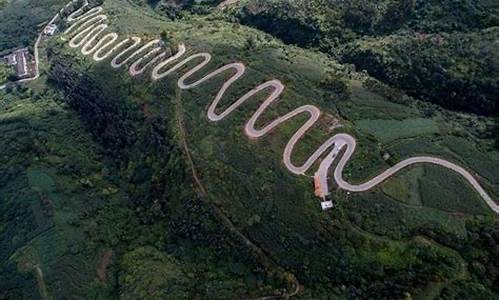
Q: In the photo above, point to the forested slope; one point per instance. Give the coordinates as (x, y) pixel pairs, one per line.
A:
(445, 52)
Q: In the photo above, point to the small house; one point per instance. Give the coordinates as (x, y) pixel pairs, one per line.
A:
(50, 29)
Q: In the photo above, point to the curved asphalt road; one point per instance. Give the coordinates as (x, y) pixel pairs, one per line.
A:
(226, 3)
(85, 31)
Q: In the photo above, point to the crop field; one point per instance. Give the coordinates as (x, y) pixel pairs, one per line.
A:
(389, 130)
(404, 187)
(435, 195)
(480, 160)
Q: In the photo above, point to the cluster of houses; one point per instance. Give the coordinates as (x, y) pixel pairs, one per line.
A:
(23, 61)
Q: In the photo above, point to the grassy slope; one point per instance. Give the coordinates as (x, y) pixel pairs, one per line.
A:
(72, 203)
(64, 205)
(46, 154)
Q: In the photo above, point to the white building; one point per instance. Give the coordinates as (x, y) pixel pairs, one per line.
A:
(10, 59)
(325, 205)
(321, 191)
(19, 59)
(50, 29)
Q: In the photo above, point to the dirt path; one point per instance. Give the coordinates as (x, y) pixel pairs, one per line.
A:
(103, 264)
(257, 252)
(41, 282)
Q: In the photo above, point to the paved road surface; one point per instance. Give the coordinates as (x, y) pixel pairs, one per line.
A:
(86, 33)
(226, 3)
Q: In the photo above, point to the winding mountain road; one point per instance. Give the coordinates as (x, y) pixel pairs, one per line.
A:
(86, 33)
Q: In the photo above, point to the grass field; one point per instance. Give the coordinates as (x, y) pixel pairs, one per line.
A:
(442, 190)
(404, 187)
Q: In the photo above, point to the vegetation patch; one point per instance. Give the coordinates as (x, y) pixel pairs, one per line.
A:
(389, 130)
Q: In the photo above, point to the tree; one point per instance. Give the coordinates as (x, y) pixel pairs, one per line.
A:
(164, 35)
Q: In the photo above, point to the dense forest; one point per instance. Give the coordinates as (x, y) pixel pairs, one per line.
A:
(445, 52)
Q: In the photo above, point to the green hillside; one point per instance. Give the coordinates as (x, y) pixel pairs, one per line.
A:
(444, 52)
(113, 187)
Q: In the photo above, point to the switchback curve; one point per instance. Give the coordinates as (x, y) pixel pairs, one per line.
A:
(85, 31)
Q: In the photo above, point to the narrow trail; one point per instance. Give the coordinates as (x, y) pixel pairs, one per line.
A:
(41, 282)
(87, 33)
(256, 251)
